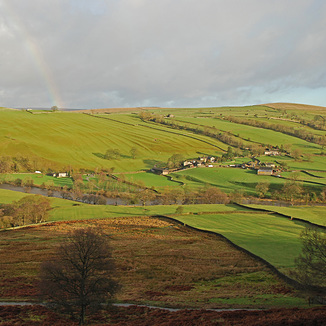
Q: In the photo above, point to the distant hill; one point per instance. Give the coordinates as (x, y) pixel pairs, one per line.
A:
(122, 110)
(296, 106)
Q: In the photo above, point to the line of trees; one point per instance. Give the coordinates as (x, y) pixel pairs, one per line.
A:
(28, 210)
(291, 191)
(299, 133)
(23, 163)
(224, 137)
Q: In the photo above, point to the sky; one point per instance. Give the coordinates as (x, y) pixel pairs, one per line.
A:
(87, 54)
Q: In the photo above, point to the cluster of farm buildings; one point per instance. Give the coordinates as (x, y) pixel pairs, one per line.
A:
(208, 161)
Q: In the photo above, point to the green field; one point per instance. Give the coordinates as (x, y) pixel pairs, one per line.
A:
(150, 179)
(254, 134)
(67, 210)
(313, 214)
(71, 140)
(38, 179)
(227, 179)
(77, 142)
(270, 237)
(74, 140)
(231, 179)
(263, 234)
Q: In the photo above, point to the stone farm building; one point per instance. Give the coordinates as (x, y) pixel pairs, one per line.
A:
(60, 175)
(265, 170)
(162, 171)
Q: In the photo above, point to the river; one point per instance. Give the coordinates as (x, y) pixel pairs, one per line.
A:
(55, 193)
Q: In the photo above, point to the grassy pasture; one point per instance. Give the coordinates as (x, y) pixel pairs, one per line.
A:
(317, 163)
(239, 111)
(302, 176)
(259, 135)
(158, 263)
(38, 179)
(227, 179)
(66, 139)
(7, 196)
(67, 210)
(314, 214)
(297, 107)
(69, 139)
(150, 179)
(272, 238)
(289, 123)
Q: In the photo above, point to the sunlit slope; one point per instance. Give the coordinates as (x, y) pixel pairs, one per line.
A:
(81, 140)
(275, 239)
(296, 106)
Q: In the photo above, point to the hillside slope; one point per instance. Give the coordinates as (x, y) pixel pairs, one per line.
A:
(70, 139)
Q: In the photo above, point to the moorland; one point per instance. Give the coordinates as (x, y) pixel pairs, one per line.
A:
(204, 206)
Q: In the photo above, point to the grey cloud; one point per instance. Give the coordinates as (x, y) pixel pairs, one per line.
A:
(170, 52)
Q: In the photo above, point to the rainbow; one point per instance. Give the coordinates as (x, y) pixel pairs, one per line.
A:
(36, 55)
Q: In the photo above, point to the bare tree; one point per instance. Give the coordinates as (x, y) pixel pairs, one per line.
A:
(80, 275)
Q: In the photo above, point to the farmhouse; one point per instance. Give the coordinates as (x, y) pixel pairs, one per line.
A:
(157, 170)
(250, 165)
(60, 175)
(206, 159)
(271, 152)
(188, 164)
(270, 165)
(265, 170)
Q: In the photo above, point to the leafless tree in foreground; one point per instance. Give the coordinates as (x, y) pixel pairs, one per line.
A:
(80, 275)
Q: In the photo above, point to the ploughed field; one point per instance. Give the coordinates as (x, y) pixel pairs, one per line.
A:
(158, 263)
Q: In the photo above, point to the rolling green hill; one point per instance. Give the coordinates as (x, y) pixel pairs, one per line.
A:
(65, 139)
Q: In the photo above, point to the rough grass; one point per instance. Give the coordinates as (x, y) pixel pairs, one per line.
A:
(131, 316)
(157, 262)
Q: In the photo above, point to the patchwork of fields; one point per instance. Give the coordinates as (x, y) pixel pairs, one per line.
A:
(161, 262)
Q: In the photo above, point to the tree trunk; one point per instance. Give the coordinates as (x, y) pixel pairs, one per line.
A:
(82, 315)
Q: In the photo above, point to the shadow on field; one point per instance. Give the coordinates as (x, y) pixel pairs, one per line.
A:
(100, 155)
(151, 163)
